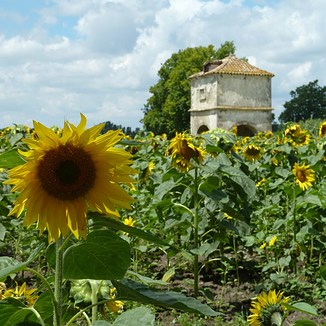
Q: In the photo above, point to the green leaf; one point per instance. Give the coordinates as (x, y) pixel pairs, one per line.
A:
(146, 280)
(103, 256)
(10, 266)
(323, 272)
(168, 274)
(304, 322)
(10, 159)
(101, 323)
(119, 226)
(131, 290)
(302, 307)
(13, 312)
(312, 199)
(2, 232)
(44, 307)
(240, 178)
(140, 316)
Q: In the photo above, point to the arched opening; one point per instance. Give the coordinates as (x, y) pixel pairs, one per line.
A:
(202, 129)
(245, 130)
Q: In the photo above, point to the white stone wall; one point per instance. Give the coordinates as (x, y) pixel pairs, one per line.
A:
(223, 101)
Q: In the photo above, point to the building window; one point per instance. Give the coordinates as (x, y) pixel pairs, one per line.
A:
(202, 94)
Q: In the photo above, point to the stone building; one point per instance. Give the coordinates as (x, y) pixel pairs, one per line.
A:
(228, 93)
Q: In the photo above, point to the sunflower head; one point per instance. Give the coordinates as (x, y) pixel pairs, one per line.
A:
(272, 241)
(66, 174)
(252, 152)
(183, 149)
(297, 136)
(304, 176)
(129, 221)
(266, 308)
(322, 129)
(293, 131)
(27, 296)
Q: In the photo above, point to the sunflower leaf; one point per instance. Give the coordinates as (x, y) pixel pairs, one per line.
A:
(119, 226)
(131, 290)
(9, 159)
(302, 307)
(10, 266)
(140, 316)
(103, 256)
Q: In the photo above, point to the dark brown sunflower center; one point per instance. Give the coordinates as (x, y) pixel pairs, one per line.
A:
(301, 176)
(253, 151)
(66, 172)
(187, 152)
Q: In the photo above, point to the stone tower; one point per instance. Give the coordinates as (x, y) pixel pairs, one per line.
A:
(228, 93)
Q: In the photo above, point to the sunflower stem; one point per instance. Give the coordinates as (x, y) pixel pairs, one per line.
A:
(58, 282)
(38, 316)
(94, 286)
(294, 230)
(196, 238)
(48, 286)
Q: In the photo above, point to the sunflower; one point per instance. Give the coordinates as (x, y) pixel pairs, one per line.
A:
(129, 221)
(297, 136)
(21, 293)
(293, 131)
(266, 308)
(66, 175)
(304, 175)
(252, 152)
(302, 139)
(322, 129)
(182, 150)
(114, 305)
(272, 241)
(259, 183)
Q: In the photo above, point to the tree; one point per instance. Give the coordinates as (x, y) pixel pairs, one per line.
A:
(308, 102)
(167, 110)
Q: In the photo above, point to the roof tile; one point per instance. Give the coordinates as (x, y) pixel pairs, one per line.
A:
(232, 66)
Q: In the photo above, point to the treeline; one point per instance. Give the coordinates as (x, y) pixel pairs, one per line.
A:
(127, 130)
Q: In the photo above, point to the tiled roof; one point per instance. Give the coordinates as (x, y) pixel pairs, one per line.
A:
(232, 66)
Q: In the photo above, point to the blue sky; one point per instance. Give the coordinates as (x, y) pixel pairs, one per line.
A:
(62, 57)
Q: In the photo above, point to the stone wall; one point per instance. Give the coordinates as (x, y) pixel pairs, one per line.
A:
(228, 100)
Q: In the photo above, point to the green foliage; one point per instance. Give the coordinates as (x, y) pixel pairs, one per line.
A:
(131, 290)
(241, 205)
(308, 102)
(167, 110)
(103, 256)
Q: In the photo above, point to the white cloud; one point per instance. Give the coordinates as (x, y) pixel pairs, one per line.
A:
(109, 29)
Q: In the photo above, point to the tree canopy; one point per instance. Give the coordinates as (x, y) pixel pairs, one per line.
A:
(308, 102)
(167, 110)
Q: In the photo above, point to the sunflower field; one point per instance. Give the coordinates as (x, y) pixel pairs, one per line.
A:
(103, 229)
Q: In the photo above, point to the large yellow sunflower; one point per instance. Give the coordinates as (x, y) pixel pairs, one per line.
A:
(267, 307)
(252, 152)
(66, 175)
(182, 150)
(304, 175)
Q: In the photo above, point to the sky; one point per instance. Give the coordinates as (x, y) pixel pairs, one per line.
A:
(60, 58)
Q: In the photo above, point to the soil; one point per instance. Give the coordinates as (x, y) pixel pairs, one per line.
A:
(231, 299)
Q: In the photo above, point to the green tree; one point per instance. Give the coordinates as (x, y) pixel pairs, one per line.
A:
(167, 110)
(308, 102)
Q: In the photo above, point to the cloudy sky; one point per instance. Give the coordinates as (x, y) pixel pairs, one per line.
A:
(99, 57)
